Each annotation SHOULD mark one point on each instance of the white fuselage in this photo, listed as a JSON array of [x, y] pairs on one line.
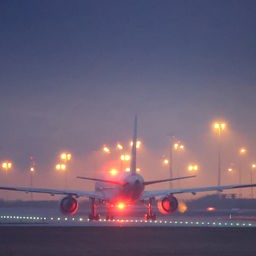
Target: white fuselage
[[129, 192]]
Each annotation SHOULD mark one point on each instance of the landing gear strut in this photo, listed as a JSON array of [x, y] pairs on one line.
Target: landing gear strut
[[93, 215], [150, 215]]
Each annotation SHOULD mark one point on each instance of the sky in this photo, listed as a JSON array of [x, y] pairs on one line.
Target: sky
[[73, 74]]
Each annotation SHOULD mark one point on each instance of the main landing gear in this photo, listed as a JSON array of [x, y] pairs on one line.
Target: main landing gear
[[150, 215], [93, 215], [96, 216]]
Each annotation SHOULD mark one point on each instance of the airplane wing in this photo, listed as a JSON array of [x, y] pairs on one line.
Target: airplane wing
[[53, 192], [157, 193], [170, 179]]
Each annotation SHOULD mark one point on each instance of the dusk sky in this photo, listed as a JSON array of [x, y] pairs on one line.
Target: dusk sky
[[73, 74]]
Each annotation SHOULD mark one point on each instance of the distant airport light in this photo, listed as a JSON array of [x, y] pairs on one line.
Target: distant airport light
[[220, 125], [6, 165], [60, 167], [106, 149], [138, 144], [113, 172], [193, 167], [128, 169], [119, 146], [242, 151], [178, 146], [230, 170], [165, 162], [125, 157], [65, 156]]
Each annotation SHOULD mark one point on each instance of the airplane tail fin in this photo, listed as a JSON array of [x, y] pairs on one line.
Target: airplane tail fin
[[134, 149]]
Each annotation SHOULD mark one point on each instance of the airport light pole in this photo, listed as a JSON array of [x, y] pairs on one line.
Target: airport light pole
[[219, 127], [65, 158], [32, 170], [242, 152], [6, 166], [62, 168], [193, 168], [174, 147], [253, 167]]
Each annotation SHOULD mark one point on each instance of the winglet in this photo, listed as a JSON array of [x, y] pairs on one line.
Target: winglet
[[134, 144]]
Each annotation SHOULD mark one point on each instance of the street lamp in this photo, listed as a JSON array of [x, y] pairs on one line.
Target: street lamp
[[219, 127], [65, 157], [242, 152], [106, 149], [138, 144], [253, 167], [6, 166], [60, 167], [124, 158], [119, 146], [165, 161], [174, 147], [32, 169], [193, 167]]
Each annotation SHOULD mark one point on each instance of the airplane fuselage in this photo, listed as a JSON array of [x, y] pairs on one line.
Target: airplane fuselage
[[129, 192]]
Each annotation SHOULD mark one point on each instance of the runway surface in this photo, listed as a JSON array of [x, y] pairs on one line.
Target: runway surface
[[87, 240], [46, 232]]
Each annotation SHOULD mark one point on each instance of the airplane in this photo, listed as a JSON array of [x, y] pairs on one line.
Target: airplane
[[128, 190]]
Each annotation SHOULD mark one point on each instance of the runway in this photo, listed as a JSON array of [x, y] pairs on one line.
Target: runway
[[223, 222], [45, 232], [116, 241]]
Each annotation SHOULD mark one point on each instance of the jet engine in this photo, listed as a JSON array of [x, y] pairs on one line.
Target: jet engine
[[68, 205], [167, 204]]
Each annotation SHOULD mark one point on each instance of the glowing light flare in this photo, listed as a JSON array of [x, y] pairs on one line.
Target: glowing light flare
[[113, 172], [32, 169], [210, 209], [242, 151], [253, 166], [106, 149], [125, 157], [120, 206], [230, 170], [128, 169], [220, 126], [182, 207], [119, 146], [138, 144], [178, 146], [165, 162], [60, 167], [65, 156], [6, 165], [193, 167]]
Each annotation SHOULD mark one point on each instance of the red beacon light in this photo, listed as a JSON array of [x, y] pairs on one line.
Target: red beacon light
[[120, 206]]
